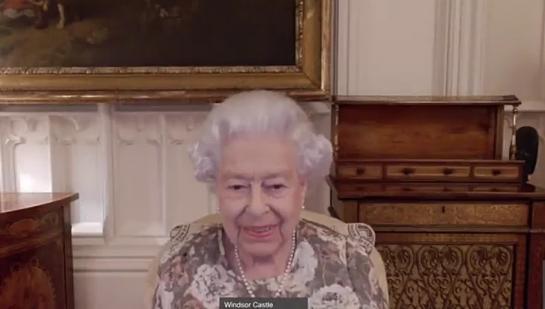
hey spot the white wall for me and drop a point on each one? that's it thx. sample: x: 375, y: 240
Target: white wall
x: 385, y: 47
x: 514, y: 48
x: 129, y: 162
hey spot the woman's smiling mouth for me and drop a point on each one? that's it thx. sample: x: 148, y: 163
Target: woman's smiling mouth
x: 259, y: 232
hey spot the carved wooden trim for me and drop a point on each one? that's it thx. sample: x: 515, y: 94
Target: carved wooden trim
x: 535, y: 269
x: 538, y: 215
x: 68, y: 258
x: 536, y: 258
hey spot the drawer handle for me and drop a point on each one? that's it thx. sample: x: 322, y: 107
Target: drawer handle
x: 496, y: 172
x: 360, y: 171
x: 407, y: 171
x: 448, y: 171
x: 443, y: 209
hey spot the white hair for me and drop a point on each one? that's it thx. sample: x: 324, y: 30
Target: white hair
x: 260, y: 112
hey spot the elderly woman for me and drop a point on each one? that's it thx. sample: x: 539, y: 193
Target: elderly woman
x: 259, y: 153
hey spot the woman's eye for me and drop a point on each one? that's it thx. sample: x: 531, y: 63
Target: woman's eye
x: 276, y: 187
x: 236, y: 187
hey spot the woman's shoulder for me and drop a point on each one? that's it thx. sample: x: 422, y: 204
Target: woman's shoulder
x: 184, y: 232
x: 347, y: 251
x: 362, y: 235
x: 189, y: 240
x: 349, y: 234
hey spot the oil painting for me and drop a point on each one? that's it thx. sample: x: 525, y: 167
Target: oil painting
x: 109, y: 33
x: 164, y: 45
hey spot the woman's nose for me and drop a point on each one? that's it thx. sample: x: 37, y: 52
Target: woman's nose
x: 257, y: 202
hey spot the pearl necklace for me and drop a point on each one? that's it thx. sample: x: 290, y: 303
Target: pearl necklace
x: 289, y: 265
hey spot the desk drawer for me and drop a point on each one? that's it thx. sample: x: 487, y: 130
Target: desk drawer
x: 444, y: 213
x: 360, y: 171
x: 434, y: 171
x: 499, y: 173
x: 31, y: 226
x: 415, y: 171
x: 29, y: 232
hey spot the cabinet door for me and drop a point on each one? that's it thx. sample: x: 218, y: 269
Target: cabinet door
x: 447, y: 270
x: 32, y: 264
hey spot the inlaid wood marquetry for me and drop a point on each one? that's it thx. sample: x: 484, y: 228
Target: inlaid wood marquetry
x: 36, y: 251
x: 449, y: 276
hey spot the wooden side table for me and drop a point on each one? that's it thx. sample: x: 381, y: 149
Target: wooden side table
x: 36, y: 250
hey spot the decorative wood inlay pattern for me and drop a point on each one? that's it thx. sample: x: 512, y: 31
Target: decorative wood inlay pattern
x: 445, y: 213
x: 449, y: 276
x: 28, y: 284
x: 24, y: 227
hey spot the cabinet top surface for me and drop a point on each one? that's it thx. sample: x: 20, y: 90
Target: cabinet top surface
x: 11, y: 202
x: 429, y: 100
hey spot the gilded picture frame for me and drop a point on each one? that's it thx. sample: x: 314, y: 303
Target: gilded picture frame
x: 308, y: 77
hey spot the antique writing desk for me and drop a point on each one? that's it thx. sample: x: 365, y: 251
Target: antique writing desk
x: 35, y: 251
x: 456, y: 225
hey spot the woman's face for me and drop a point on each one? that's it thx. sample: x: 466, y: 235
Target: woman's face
x: 260, y: 193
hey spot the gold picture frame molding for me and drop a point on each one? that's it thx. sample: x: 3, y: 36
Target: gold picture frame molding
x: 308, y: 79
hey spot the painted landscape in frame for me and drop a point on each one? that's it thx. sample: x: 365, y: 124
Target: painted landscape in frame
x: 147, y: 33
x: 163, y: 45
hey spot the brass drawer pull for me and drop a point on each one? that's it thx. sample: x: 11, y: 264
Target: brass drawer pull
x: 496, y: 172
x: 360, y: 171
x: 407, y: 171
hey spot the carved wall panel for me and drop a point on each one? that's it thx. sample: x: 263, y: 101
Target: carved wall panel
x: 26, y: 153
x: 186, y: 198
x: 76, y: 143
x: 138, y: 168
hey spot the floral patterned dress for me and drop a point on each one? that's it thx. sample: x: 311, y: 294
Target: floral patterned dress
x: 330, y: 269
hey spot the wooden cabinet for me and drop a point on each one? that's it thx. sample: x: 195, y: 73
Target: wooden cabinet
x: 455, y: 224
x: 35, y: 251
